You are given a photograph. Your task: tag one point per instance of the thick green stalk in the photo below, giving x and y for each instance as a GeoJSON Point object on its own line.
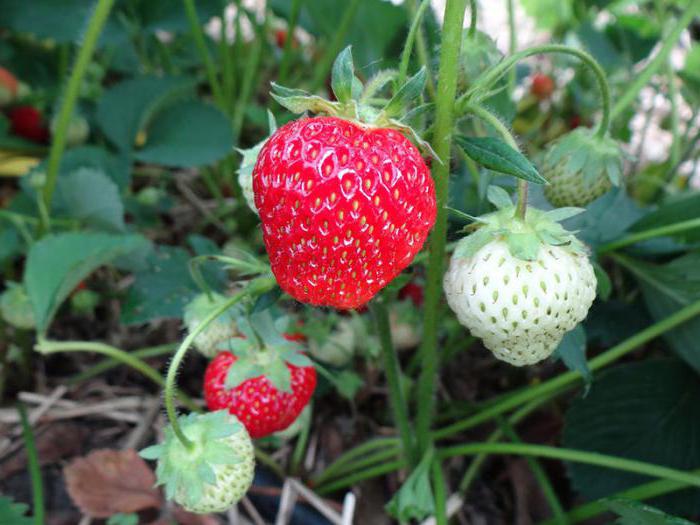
{"type": "Point", "coordinates": [379, 470]}
{"type": "Point", "coordinates": [110, 363]}
{"type": "Point", "coordinates": [492, 76]}
{"type": "Point", "coordinates": [127, 358]}
{"type": "Point", "coordinates": [371, 460]}
{"type": "Point", "coordinates": [643, 77]}
{"type": "Point", "coordinates": [392, 370]}
{"type": "Point", "coordinates": [576, 456]}
{"type": "Point", "coordinates": [334, 47]}
{"type": "Point", "coordinates": [661, 231]}
{"type": "Point", "coordinates": [201, 43]}
{"type": "Point", "coordinates": [34, 466]}
{"type": "Point", "coordinates": [473, 17]}
{"type": "Point", "coordinates": [642, 492]}
{"type": "Point", "coordinates": [70, 96]}
{"type": "Point", "coordinates": [254, 288]}
{"type": "Point", "coordinates": [439, 492]}
{"type": "Point", "coordinates": [340, 464]}
{"type": "Point", "coordinates": [540, 476]}
{"type": "Point", "coordinates": [569, 379]}
{"type": "Point", "coordinates": [512, 43]}
{"type": "Point", "coordinates": [410, 39]}
{"type": "Point", "coordinates": [441, 143]}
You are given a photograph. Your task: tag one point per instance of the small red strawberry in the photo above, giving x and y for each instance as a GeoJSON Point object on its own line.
{"type": "Point", "coordinates": [8, 86]}
{"type": "Point", "coordinates": [28, 122]}
{"type": "Point", "coordinates": [542, 86]}
{"type": "Point", "coordinates": [346, 201]}
{"type": "Point", "coordinates": [266, 381]}
{"type": "Point", "coordinates": [414, 292]}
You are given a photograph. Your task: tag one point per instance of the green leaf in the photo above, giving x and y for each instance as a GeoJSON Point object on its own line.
{"type": "Point", "coordinates": [645, 411]}
{"type": "Point", "coordinates": [126, 108]}
{"type": "Point", "coordinates": [549, 14]}
{"type": "Point", "coordinates": [118, 169]}
{"type": "Point", "coordinates": [572, 351]}
{"type": "Point", "coordinates": [635, 513]}
{"type": "Point", "coordinates": [342, 76]}
{"type": "Point", "coordinates": [12, 513]}
{"type": "Point", "coordinates": [561, 214]}
{"type": "Point", "coordinates": [496, 155]}
{"type": "Point", "coordinates": [162, 287]}
{"type": "Point", "coordinates": [123, 519]}
{"type": "Point", "coordinates": [414, 500]}
{"type": "Point", "coordinates": [499, 197]}
{"type": "Point", "coordinates": [604, 284]}
{"type": "Point", "coordinates": [666, 289]}
{"type": "Point", "coordinates": [677, 209]}
{"type": "Point", "coordinates": [91, 197]}
{"type": "Point", "coordinates": [406, 93]}
{"type": "Point", "coordinates": [57, 263]}
{"type": "Point", "coordinates": [187, 134]}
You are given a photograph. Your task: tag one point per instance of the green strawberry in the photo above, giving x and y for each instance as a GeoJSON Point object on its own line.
{"type": "Point", "coordinates": [580, 167]}
{"type": "Point", "coordinates": [15, 307]}
{"type": "Point", "coordinates": [216, 472]}
{"type": "Point", "coordinates": [220, 329]}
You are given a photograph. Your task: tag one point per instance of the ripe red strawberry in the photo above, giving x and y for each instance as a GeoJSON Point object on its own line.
{"type": "Point", "coordinates": [28, 122]}
{"type": "Point", "coordinates": [345, 208]}
{"type": "Point", "coordinates": [542, 86]}
{"type": "Point", "coordinates": [257, 402]}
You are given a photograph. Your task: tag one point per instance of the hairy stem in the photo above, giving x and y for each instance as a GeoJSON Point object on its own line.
{"type": "Point", "coordinates": [486, 81]}
{"type": "Point", "coordinates": [34, 466]}
{"type": "Point", "coordinates": [70, 96]}
{"type": "Point", "coordinates": [259, 286]}
{"type": "Point", "coordinates": [442, 142]}
{"type": "Point", "coordinates": [392, 370]}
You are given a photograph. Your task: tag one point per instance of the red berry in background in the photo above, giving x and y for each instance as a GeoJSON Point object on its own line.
{"type": "Point", "coordinates": [412, 291]}
{"type": "Point", "coordinates": [8, 86]}
{"type": "Point", "coordinates": [344, 208]}
{"type": "Point", "coordinates": [262, 408]}
{"type": "Point", "coordinates": [542, 86]}
{"type": "Point", "coordinates": [28, 122]}
{"type": "Point", "coordinates": [575, 121]}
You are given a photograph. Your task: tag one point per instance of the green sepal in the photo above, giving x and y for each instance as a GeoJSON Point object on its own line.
{"type": "Point", "coordinates": [186, 472]}
{"type": "Point", "coordinates": [586, 155]}
{"type": "Point", "coordinates": [241, 371]}
{"type": "Point", "coordinates": [524, 237]}
{"type": "Point", "coordinates": [408, 92]}
{"type": "Point", "coordinates": [499, 197]}
{"type": "Point", "coordinates": [414, 500]}
{"type": "Point", "coordinates": [343, 76]}
{"type": "Point", "coordinates": [299, 101]}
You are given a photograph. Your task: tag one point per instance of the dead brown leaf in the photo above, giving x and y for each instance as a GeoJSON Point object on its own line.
{"type": "Point", "coordinates": [106, 482]}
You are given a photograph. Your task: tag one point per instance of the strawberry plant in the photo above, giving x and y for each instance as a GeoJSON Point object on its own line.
{"type": "Point", "coordinates": [449, 271]}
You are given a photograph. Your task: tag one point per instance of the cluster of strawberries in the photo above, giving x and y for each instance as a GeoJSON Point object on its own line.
{"type": "Point", "coordinates": [25, 121]}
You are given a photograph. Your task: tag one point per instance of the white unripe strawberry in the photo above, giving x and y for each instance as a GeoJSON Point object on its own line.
{"type": "Point", "coordinates": [520, 285]}
{"type": "Point", "coordinates": [216, 472]}
{"type": "Point", "coordinates": [520, 309]}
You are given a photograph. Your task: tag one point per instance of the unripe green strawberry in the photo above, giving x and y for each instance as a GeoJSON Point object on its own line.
{"type": "Point", "coordinates": [520, 285]}
{"type": "Point", "coordinates": [220, 329]}
{"type": "Point", "coordinates": [336, 348]}
{"type": "Point", "coordinates": [580, 167]}
{"type": "Point", "coordinates": [77, 132]}
{"type": "Point", "coordinates": [216, 472]}
{"type": "Point", "coordinates": [15, 307]}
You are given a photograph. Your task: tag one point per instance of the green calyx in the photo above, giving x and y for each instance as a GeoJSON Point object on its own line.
{"type": "Point", "coordinates": [186, 472]}
{"type": "Point", "coordinates": [250, 158]}
{"type": "Point", "coordinates": [524, 237]}
{"type": "Point", "coordinates": [355, 101]}
{"type": "Point", "coordinates": [585, 154]}
{"type": "Point", "coordinates": [263, 351]}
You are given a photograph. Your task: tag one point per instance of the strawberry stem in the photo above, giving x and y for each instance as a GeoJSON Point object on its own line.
{"type": "Point", "coordinates": [502, 130]}
{"type": "Point", "coordinates": [485, 82]}
{"type": "Point", "coordinates": [70, 96]}
{"type": "Point", "coordinates": [392, 370]}
{"type": "Point", "coordinates": [255, 288]}
{"type": "Point", "coordinates": [442, 143]}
